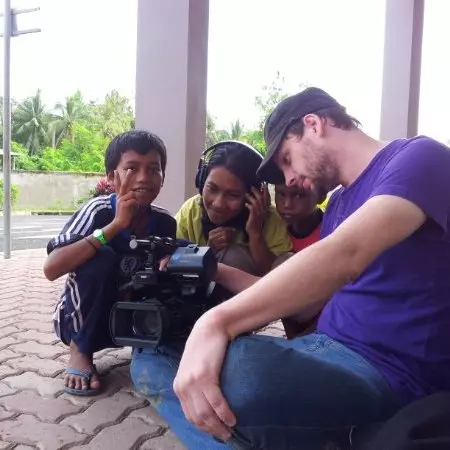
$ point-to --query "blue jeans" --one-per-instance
(306, 393)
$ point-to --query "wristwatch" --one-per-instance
(100, 236)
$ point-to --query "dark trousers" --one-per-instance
(82, 314)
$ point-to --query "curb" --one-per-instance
(17, 213)
(52, 213)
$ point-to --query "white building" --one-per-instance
(171, 80)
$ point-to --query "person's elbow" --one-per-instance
(348, 258)
(355, 262)
(51, 269)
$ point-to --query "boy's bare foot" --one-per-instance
(79, 362)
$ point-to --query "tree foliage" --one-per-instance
(30, 123)
(70, 137)
(73, 135)
(271, 95)
(14, 194)
(67, 115)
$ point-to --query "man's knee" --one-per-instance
(247, 375)
(153, 371)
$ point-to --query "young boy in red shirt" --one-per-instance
(301, 213)
(303, 217)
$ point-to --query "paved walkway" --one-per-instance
(34, 410)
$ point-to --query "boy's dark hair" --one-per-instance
(321, 196)
(140, 141)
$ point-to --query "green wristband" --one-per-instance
(100, 236)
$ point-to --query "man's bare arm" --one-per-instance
(312, 276)
(235, 280)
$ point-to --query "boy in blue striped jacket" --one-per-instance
(91, 246)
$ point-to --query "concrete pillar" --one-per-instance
(171, 76)
(401, 71)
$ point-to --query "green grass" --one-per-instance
(45, 211)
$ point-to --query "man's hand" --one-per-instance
(220, 238)
(197, 381)
(126, 200)
(257, 203)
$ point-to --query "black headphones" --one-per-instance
(203, 164)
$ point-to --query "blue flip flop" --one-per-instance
(87, 376)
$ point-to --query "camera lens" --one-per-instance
(147, 324)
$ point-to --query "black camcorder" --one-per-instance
(159, 306)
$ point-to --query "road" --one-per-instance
(30, 232)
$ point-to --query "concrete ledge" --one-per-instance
(52, 213)
(59, 172)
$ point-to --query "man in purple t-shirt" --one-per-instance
(382, 271)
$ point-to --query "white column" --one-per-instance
(171, 76)
(401, 71)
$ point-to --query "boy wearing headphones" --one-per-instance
(90, 246)
(232, 212)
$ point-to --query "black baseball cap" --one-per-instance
(286, 113)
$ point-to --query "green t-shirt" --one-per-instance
(189, 226)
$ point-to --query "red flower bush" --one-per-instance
(103, 187)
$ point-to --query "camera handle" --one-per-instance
(151, 246)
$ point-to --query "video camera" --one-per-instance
(162, 306)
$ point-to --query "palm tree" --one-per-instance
(115, 115)
(237, 130)
(30, 123)
(65, 118)
(211, 134)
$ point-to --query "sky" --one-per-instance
(336, 45)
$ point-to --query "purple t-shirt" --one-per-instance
(397, 313)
